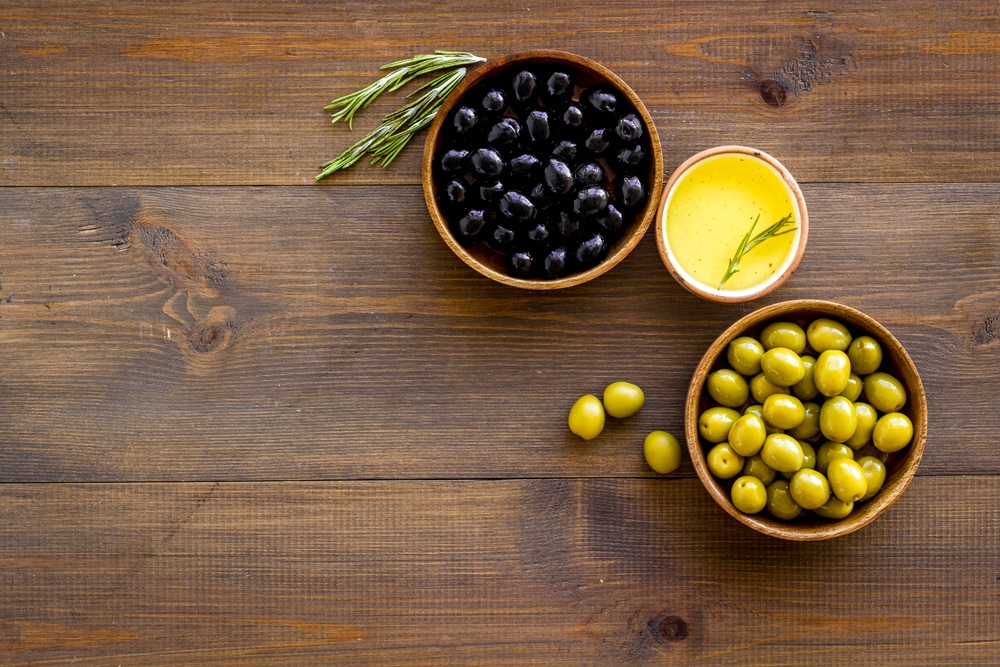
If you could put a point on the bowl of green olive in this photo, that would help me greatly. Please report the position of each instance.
(806, 420)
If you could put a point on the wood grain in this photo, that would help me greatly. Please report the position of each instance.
(188, 93)
(519, 572)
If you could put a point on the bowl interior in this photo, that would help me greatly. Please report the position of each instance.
(900, 466)
(587, 73)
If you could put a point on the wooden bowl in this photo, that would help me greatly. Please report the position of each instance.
(490, 263)
(900, 466)
(782, 178)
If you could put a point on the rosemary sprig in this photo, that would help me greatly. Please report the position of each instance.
(749, 242)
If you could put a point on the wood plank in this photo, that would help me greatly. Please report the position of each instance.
(187, 93)
(291, 333)
(520, 572)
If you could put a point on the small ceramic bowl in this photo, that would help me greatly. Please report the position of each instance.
(900, 466)
(709, 203)
(587, 73)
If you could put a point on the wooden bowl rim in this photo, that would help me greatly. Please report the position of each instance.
(894, 486)
(625, 245)
(661, 234)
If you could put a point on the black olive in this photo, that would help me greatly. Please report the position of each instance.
(565, 150)
(504, 132)
(525, 167)
(610, 219)
(501, 237)
(590, 249)
(629, 128)
(558, 88)
(539, 232)
(470, 226)
(539, 126)
(516, 206)
(523, 86)
(521, 263)
(465, 120)
(600, 100)
(572, 122)
(453, 160)
(590, 200)
(554, 264)
(631, 191)
(456, 192)
(558, 177)
(588, 173)
(598, 141)
(486, 162)
(630, 156)
(567, 224)
(489, 192)
(542, 197)
(493, 103)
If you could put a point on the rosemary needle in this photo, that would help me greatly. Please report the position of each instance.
(749, 242)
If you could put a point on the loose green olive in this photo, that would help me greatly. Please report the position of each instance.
(755, 466)
(826, 334)
(749, 494)
(892, 432)
(809, 489)
(715, 422)
(832, 372)
(829, 451)
(723, 462)
(744, 355)
(783, 334)
(847, 480)
(727, 387)
(885, 392)
(782, 366)
(783, 411)
(874, 473)
(780, 503)
(623, 399)
(855, 385)
(837, 419)
(761, 388)
(586, 417)
(866, 424)
(662, 452)
(865, 354)
(805, 388)
(747, 435)
(834, 508)
(782, 452)
(809, 428)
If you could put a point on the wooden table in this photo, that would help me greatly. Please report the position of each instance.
(251, 419)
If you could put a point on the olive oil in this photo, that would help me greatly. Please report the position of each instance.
(711, 209)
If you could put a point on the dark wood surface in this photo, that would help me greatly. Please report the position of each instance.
(248, 419)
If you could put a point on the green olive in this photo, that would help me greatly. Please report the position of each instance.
(761, 388)
(832, 372)
(826, 334)
(623, 399)
(837, 419)
(662, 452)
(866, 424)
(892, 432)
(755, 466)
(865, 354)
(728, 388)
(855, 385)
(715, 422)
(808, 455)
(723, 462)
(847, 480)
(834, 508)
(809, 427)
(783, 411)
(809, 489)
(749, 494)
(874, 471)
(747, 435)
(744, 355)
(783, 334)
(806, 387)
(780, 503)
(782, 452)
(782, 366)
(586, 417)
(885, 392)
(829, 451)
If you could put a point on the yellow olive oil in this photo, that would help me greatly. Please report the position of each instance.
(713, 206)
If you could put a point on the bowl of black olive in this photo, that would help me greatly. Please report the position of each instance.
(542, 170)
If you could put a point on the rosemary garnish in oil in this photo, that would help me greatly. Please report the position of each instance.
(749, 242)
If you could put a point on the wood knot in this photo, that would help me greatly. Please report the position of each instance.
(987, 331)
(773, 92)
(669, 628)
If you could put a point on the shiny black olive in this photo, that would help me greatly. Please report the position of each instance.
(590, 200)
(524, 168)
(610, 219)
(572, 122)
(630, 156)
(598, 141)
(523, 86)
(516, 206)
(539, 232)
(541, 196)
(493, 103)
(567, 224)
(590, 249)
(558, 177)
(539, 126)
(504, 132)
(558, 88)
(490, 191)
(501, 237)
(565, 150)
(631, 191)
(456, 192)
(554, 264)
(486, 162)
(521, 263)
(629, 128)
(588, 173)
(470, 226)
(453, 160)
(465, 120)
(600, 100)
